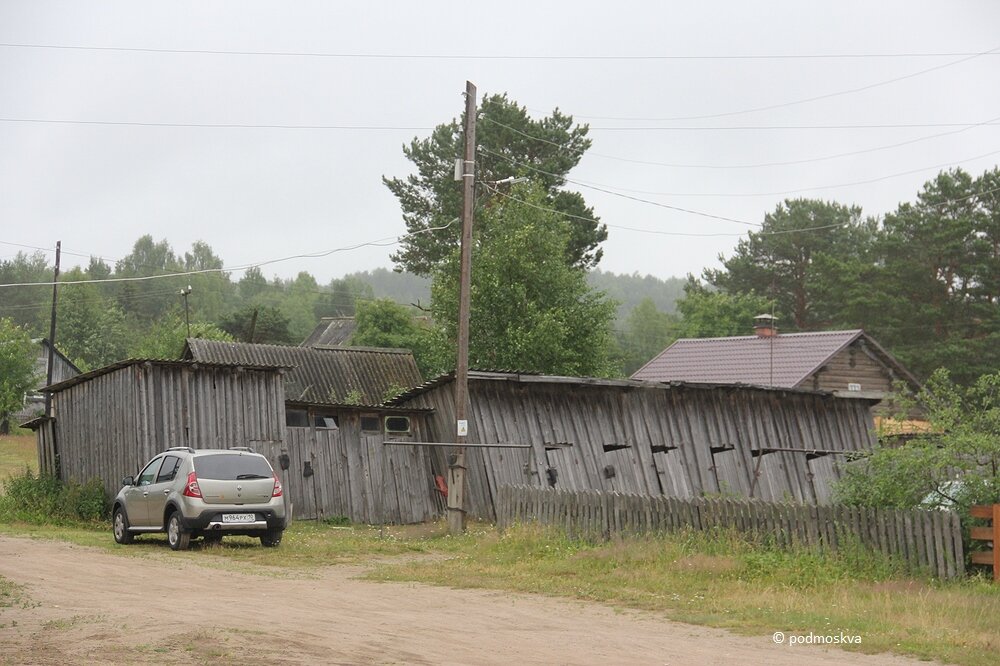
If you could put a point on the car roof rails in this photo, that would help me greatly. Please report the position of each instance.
(241, 448)
(181, 448)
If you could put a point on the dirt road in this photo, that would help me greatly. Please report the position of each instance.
(85, 606)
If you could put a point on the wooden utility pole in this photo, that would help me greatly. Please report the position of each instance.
(456, 467)
(52, 333)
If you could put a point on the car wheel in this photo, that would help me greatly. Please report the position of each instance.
(212, 537)
(176, 536)
(271, 538)
(120, 527)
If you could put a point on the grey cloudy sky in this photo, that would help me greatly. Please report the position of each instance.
(256, 194)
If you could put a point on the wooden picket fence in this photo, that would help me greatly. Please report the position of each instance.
(928, 541)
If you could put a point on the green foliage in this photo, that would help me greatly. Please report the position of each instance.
(271, 326)
(43, 499)
(647, 332)
(706, 313)
(802, 247)
(956, 464)
(17, 366)
(166, 338)
(383, 323)
(92, 330)
(27, 307)
(338, 300)
(631, 290)
(531, 310)
(398, 286)
(510, 144)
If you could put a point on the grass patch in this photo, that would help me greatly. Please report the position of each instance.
(17, 453)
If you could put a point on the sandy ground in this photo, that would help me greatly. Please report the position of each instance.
(85, 606)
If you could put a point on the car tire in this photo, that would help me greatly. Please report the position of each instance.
(271, 538)
(119, 526)
(177, 536)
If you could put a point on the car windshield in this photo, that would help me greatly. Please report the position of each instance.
(231, 467)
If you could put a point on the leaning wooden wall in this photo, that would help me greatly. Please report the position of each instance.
(350, 474)
(679, 441)
(108, 426)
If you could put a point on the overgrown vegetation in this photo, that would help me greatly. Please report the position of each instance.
(43, 499)
(956, 463)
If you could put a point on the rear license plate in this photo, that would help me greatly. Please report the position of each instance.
(238, 518)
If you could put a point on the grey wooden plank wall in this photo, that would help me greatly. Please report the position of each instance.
(928, 541)
(354, 475)
(109, 426)
(657, 440)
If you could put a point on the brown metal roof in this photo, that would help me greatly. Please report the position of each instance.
(321, 375)
(783, 360)
(331, 332)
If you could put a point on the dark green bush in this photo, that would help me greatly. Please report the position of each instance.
(44, 499)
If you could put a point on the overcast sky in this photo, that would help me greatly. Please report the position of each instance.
(668, 130)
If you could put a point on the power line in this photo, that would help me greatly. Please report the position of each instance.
(708, 235)
(815, 98)
(763, 128)
(580, 151)
(501, 56)
(810, 160)
(366, 128)
(382, 242)
(416, 128)
(626, 196)
(603, 188)
(646, 231)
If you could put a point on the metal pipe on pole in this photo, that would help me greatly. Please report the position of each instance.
(456, 466)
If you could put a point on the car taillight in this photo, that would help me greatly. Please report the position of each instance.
(191, 488)
(277, 487)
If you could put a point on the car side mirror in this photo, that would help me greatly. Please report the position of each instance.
(128, 481)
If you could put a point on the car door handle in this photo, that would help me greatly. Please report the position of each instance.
(145, 493)
(167, 491)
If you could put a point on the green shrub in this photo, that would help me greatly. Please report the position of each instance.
(44, 499)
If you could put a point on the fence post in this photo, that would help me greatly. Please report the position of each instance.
(992, 533)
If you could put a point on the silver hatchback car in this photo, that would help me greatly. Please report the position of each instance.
(207, 493)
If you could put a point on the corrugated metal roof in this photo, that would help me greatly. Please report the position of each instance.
(331, 332)
(322, 375)
(783, 360)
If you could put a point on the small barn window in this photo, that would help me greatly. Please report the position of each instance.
(327, 422)
(397, 424)
(370, 423)
(296, 418)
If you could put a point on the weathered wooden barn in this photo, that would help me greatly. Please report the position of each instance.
(676, 439)
(336, 423)
(108, 422)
